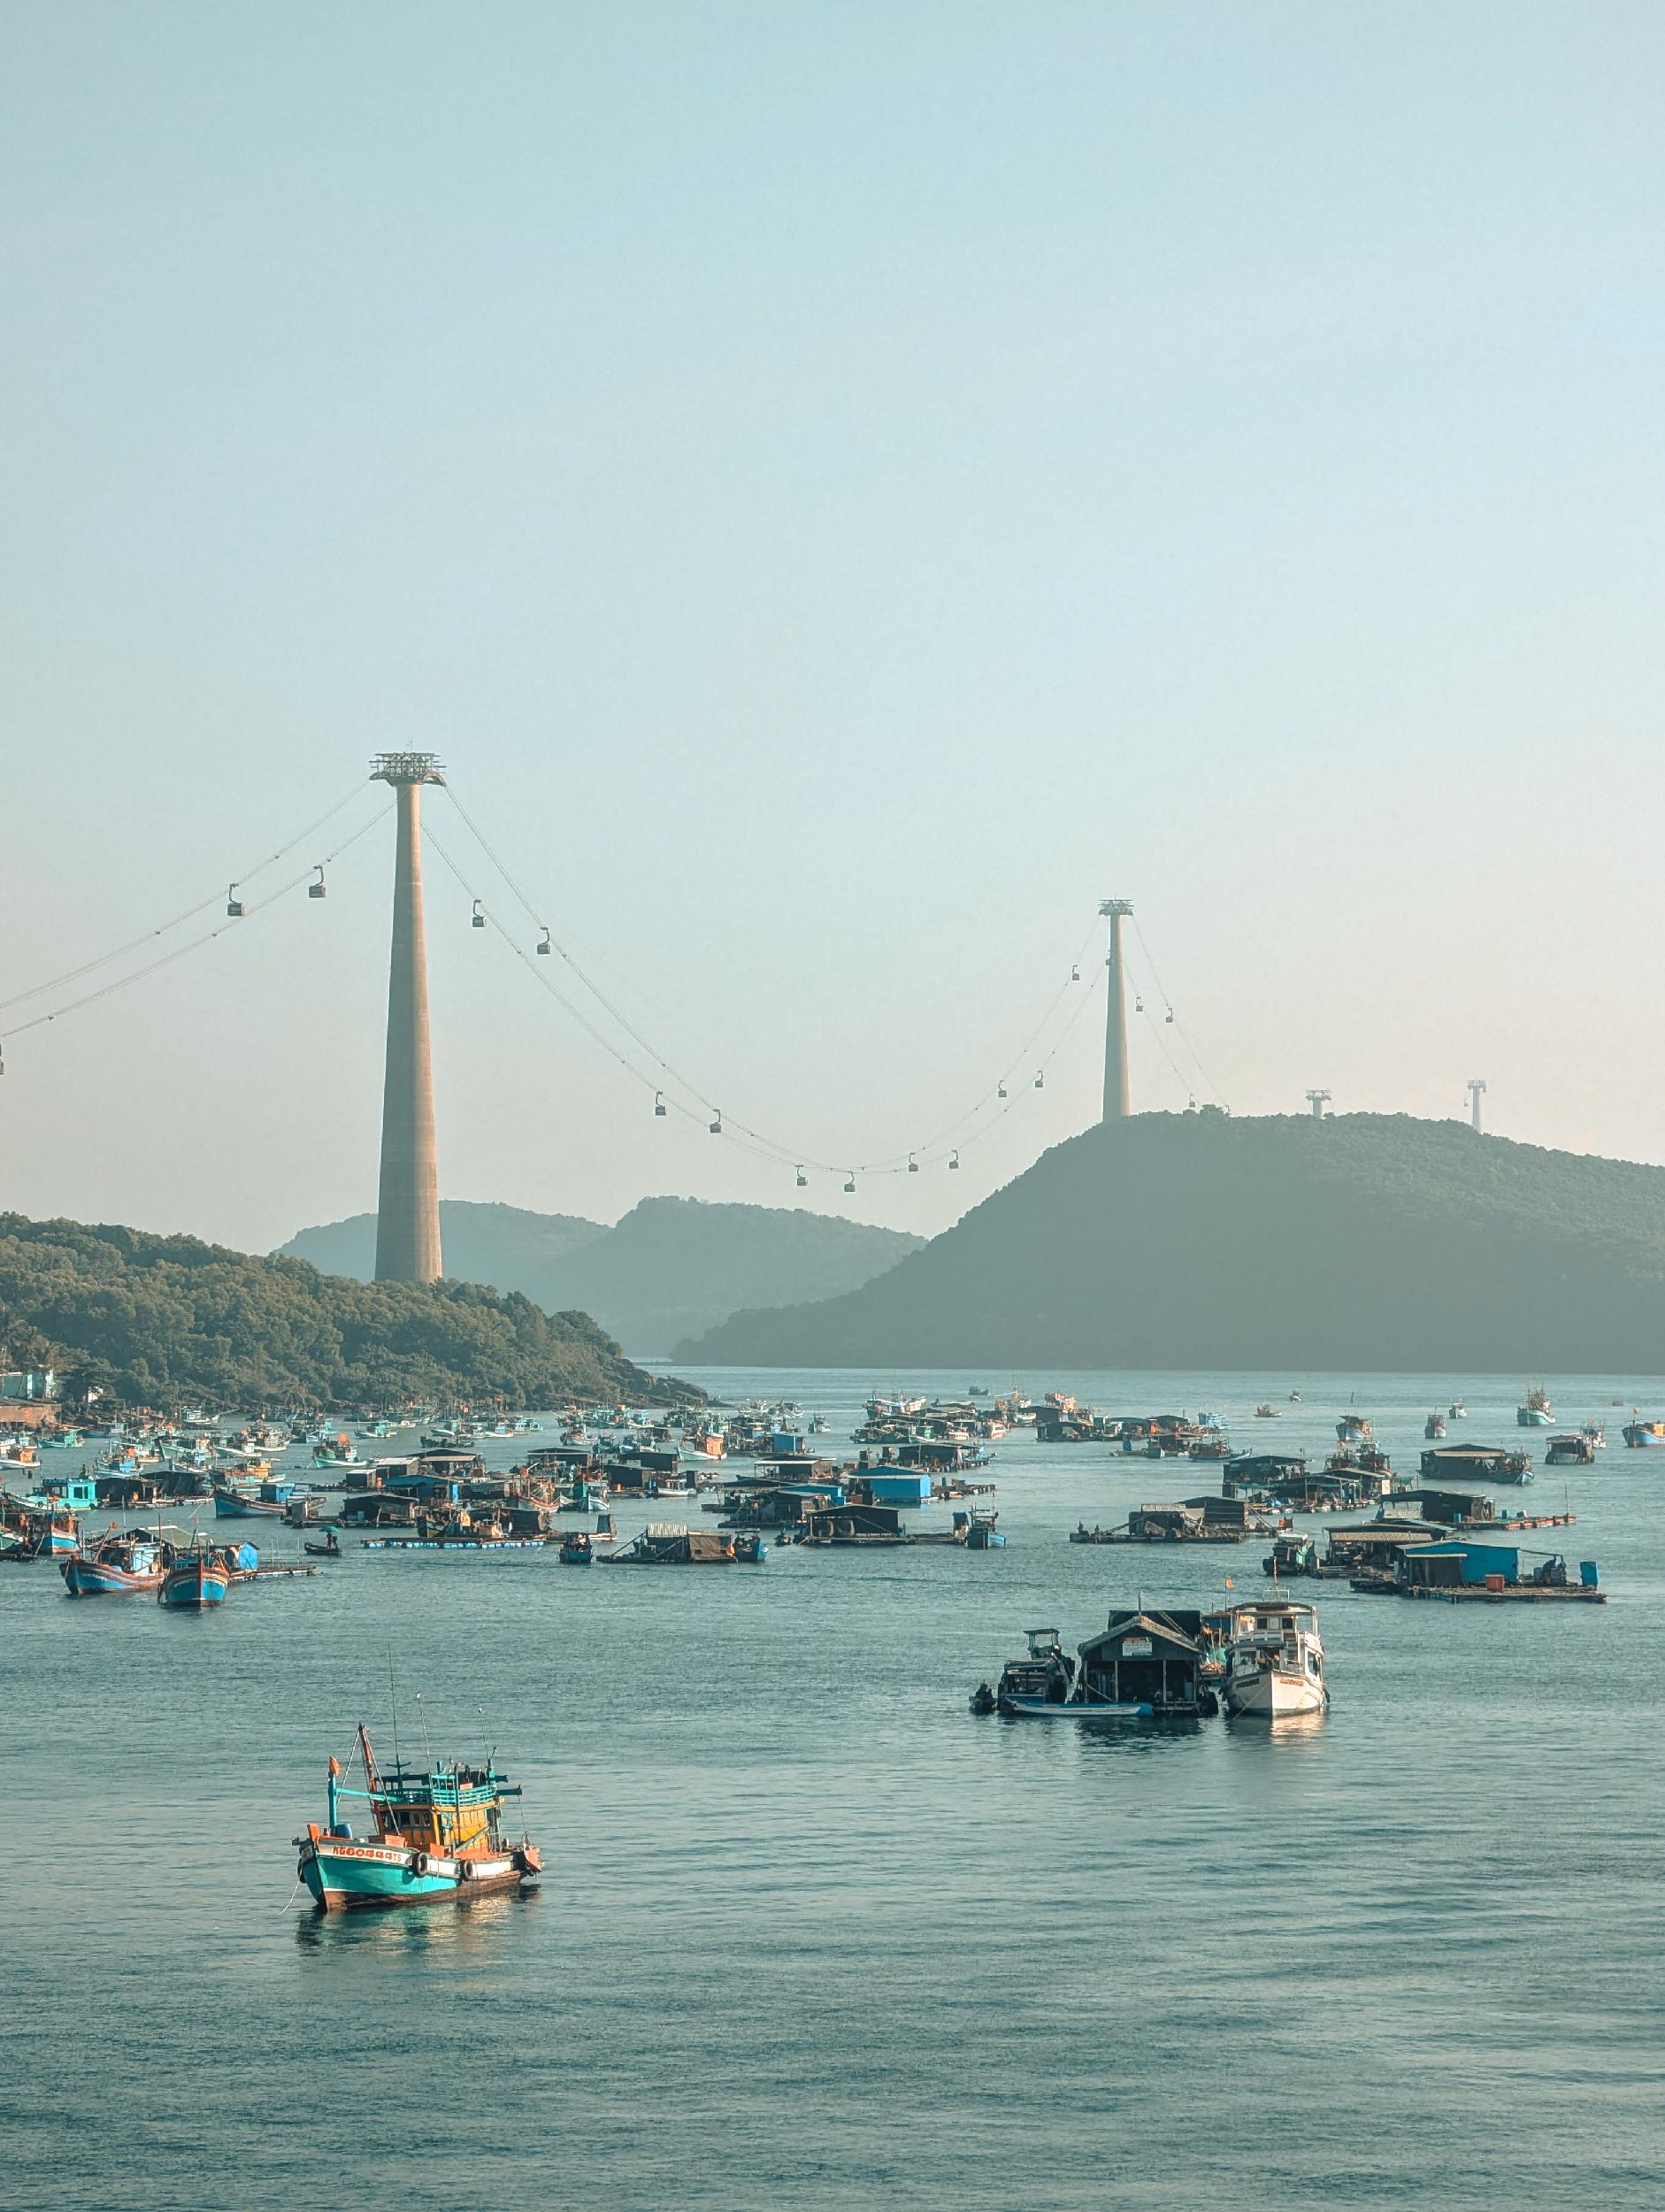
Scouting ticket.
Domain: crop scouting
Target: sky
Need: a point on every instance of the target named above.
(843, 489)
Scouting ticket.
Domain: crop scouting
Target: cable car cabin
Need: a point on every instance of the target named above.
(1149, 1660)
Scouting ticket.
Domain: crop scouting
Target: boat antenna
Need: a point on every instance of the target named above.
(393, 1693)
(423, 1717)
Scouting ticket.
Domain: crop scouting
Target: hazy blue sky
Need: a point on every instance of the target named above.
(843, 488)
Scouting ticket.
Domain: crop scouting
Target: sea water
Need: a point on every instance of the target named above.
(812, 1934)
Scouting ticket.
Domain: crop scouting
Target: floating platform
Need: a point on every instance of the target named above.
(455, 1543)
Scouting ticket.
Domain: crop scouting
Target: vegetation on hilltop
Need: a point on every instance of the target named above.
(162, 1321)
(1366, 1242)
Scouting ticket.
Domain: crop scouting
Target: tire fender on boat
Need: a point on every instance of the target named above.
(419, 1864)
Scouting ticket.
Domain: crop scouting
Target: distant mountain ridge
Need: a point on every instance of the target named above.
(671, 1268)
(1373, 1242)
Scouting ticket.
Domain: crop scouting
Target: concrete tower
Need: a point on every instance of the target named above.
(1316, 1102)
(408, 1206)
(1476, 1089)
(1117, 1105)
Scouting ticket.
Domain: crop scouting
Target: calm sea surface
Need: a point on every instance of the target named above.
(811, 1933)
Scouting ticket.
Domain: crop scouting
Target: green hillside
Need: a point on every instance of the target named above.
(162, 1321)
(1368, 1242)
(670, 1268)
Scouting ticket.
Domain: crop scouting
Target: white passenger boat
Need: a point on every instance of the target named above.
(1274, 1662)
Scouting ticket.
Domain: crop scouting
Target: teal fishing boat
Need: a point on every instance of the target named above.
(435, 1833)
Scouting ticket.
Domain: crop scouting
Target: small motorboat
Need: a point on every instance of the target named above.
(1266, 1413)
(328, 1549)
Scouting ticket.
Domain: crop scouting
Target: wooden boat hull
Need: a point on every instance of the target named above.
(95, 1577)
(196, 1584)
(229, 1507)
(1273, 1693)
(1041, 1709)
(345, 1876)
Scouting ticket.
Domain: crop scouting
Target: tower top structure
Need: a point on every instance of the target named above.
(1115, 906)
(407, 768)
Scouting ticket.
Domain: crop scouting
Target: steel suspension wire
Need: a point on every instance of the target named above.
(673, 1105)
(73, 975)
(194, 944)
(1209, 1082)
(890, 1163)
(932, 1152)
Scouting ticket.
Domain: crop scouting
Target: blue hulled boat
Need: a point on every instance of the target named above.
(269, 1503)
(120, 1566)
(201, 1576)
(436, 1833)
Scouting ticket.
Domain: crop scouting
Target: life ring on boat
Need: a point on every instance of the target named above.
(420, 1863)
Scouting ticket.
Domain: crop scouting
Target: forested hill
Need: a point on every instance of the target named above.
(671, 1267)
(162, 1321)
(1366, 1241)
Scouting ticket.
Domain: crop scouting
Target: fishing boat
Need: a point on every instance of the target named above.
(337, 1451)
(201, 1577)
(1352, 1427)
(1434, 1426)
(1457, 1410)
(1597, 1434)
(1266, 1413)
(1643, 1435)
(270, 1502)
(42, 1536)
(1274, 1664)
(437, 1833)
(119, 1565)
(328, 1549)
(1537, 1413)
(577, 1549)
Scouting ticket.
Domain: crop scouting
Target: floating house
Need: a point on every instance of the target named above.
(1481, 1462)
(1151, 1660)
(1480, 1567)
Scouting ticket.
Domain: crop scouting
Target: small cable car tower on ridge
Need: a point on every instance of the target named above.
(408, 1200)
(1116, 1103)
